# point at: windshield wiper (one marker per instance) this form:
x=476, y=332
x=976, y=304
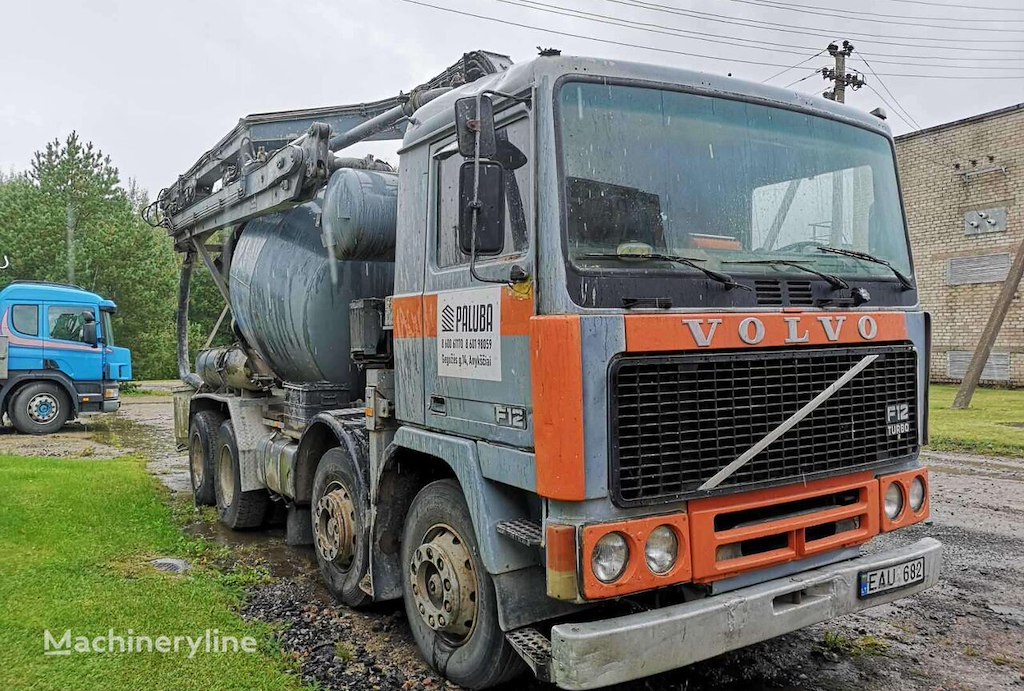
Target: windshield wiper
x=833, y=281
x=724, y=279
x=864, y=256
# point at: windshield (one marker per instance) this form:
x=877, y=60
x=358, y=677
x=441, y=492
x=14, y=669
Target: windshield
x=108, y=328
x=723, y=182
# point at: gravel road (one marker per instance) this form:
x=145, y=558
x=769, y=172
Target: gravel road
x=966, y=633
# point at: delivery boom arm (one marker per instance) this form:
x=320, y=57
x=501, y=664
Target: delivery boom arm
x=273, y=161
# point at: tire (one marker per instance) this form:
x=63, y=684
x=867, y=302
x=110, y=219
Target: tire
x=202, y=444
x=40, y=407
x=476, y=656
x=237, y=509
x=342, y=549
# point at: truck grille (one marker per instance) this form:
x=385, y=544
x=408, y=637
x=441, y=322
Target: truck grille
x=679, y=419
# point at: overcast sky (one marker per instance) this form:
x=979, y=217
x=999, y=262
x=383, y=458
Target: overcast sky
x=154, y=84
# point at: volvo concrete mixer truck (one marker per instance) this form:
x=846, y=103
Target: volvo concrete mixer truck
x=618, y=370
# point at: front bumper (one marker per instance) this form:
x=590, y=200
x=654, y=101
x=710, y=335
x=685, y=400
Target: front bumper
x=601, y=653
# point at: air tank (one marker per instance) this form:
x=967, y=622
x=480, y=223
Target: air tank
x=290, y=299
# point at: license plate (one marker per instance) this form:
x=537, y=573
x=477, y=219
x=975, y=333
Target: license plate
x=891, y=577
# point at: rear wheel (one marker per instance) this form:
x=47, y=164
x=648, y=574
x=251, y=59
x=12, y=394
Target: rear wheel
x=202, y=445
x=449, y=596
x=237, y=509
x=339, y=515
x=39, y=408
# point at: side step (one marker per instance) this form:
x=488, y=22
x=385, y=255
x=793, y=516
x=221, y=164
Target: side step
x=534, y=648
x=521, y=530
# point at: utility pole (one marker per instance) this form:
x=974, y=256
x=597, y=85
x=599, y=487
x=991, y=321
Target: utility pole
x=988, y=336
x=839, y=75
x=71, y=242
x=842, y=79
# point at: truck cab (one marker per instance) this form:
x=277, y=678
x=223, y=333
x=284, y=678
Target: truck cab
x=58, y=359
x=633, y=364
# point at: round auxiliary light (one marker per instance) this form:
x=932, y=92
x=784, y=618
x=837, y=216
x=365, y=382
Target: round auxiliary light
x=611, y=554
x=917, y=493
x=662, y=550
x=894, y=501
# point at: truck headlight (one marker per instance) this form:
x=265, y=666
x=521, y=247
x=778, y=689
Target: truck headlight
x=917, y=494
x=610, y=556
x=110, y=392
x=894, y=501
x=662, y=550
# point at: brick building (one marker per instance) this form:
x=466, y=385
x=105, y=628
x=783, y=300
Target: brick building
x=963, y=186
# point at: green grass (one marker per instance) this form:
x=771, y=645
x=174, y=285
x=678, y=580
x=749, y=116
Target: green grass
x=993, y=425
x=75, y=539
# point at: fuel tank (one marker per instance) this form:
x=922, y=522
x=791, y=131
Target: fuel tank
x=290, y=299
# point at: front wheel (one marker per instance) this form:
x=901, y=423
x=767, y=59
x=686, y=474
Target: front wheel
x=39, y=408
x=449, y=596
x=340, y=537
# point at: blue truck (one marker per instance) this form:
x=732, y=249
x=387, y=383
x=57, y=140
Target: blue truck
x=57, y=355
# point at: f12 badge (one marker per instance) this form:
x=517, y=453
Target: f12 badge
x=897, y=419
x=510, y=416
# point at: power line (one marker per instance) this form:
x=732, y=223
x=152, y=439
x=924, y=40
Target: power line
x=895, y=100
x=653, y=28
x=889, y=18
x=779, y=74
x=657, y=49
x=811, y=31
x=961, y=7
x=701, y=36
x=816, y=71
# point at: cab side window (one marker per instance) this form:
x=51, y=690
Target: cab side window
x=25, y=319
x=68, y=323
x=514, y=140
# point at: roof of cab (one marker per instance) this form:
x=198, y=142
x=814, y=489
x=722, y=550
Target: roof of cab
x=51, y=292
x=439, y=114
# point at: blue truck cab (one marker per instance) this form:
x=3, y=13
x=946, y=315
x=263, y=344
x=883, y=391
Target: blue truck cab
x=57, y=355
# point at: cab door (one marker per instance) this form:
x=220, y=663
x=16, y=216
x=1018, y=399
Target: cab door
x=477, y=345
x=22, y=327
x=65, y=345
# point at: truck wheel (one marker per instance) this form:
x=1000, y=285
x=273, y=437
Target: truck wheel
x=237, y=509
x=339, y=514
x=202, y=442
x=449, y=596
x=39, y=408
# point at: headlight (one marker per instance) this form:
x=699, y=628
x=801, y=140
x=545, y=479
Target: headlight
x=662, y=550
x=611, y=554
x=917, y=494
x=894, y=501
x=110, y=392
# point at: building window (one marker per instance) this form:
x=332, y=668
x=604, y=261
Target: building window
x=68, y=323
x=25, y=319
x=989, y=268
x=996, y=369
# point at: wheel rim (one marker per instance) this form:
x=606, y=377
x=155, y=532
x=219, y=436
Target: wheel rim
x=444, y=583
x=43, y=408
x=335, y=526
x=226, y=475
x=197, y=460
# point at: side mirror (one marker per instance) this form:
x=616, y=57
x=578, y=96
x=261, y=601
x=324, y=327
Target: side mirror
x=488, y=205
x=89, y=333
x=468, y=122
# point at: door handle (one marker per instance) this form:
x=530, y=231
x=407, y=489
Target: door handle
x=438, y=405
